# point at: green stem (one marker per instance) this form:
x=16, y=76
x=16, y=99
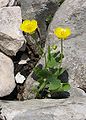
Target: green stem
x=41, y=88
x=39, y=47
x=39, y=35
x=61, y=53
x=41, y=52
x=45, y=60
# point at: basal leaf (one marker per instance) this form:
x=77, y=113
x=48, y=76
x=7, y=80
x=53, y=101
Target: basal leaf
x=43, y=73
x=51, y=78
x=54, y=84
x=65, y=86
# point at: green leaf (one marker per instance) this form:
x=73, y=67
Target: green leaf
x=48, y=19
x=56, y=54
x=42, y=73
x=53, y=70
x=58, y=58
x=66, y=86
x=54, y=84
x=51, y=63
x=35, y=90
x=37, y=70
x=61, y=70
x=42, y=86
x=49, y=54
x=51, y=78
x=57, y=73
x=40, y=80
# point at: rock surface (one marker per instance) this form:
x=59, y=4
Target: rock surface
x=12, y=2
x=61, y=109
x=9, y=45
x=3, y=3
x=30, y=83
x=72, y=14
x=7, y=81
x=30, y=8
x=10, y=20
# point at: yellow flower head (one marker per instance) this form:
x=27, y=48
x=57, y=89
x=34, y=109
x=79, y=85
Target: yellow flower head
x=62, y=33
x=29, y=26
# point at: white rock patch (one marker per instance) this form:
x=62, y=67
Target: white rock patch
x=19, y=78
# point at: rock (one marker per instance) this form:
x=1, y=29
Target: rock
x=22, y=49
x=10, y=20
x=19, y=78
x=72, y=14
x=3, y=3
x=76, y=92
x=30, y=8
x=2, y=117
x=24, y=59
x=62, y=109
x=7, y=81
x=29, y=85
x=9, y=45
x=11, y=2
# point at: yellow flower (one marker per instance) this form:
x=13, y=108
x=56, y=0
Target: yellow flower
x=62, y=33
x=29, y=26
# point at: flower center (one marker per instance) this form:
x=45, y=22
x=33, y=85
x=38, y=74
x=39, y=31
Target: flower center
x=63, y=32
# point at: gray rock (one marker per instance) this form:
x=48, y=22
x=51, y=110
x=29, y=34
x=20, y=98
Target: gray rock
x=3, y=3
x=72, y=14
x=2, y=117
x=10, y=20
x=61, y=109
x=76, y=92
x=11, y=2
x=7, y=81
x=9, y=45
x=30, y=8
x=30, y=83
